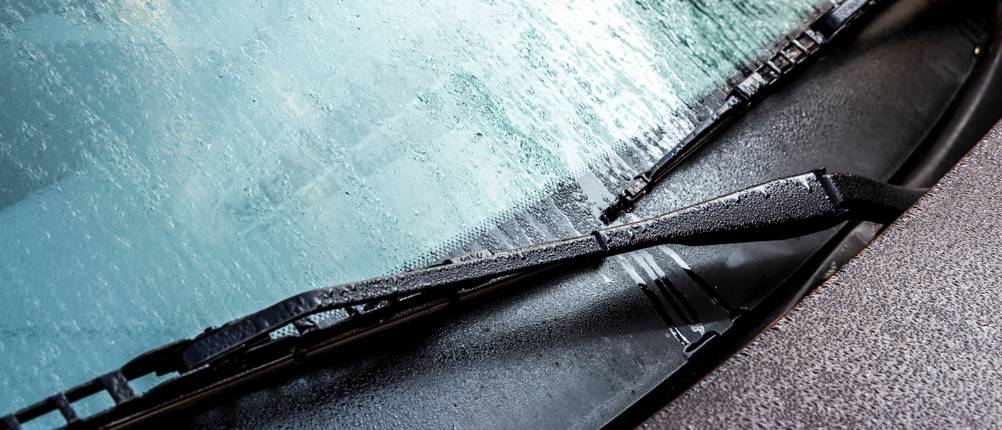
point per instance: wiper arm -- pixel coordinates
(778, 209)
(751, 89)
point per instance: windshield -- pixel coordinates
(166, 166)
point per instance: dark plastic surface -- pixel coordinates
(577, 347)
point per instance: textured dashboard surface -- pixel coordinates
(907, 334)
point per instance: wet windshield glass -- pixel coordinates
(166, 166)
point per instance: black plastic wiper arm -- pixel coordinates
(740, 97)
(778, 209)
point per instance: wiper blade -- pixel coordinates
(778, 209)
(742, 96)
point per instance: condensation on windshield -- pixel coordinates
(170, 165)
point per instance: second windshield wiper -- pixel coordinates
(740, 97)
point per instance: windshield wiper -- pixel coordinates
(740, 97)
(778, 209)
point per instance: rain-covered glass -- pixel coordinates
(167, 165)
